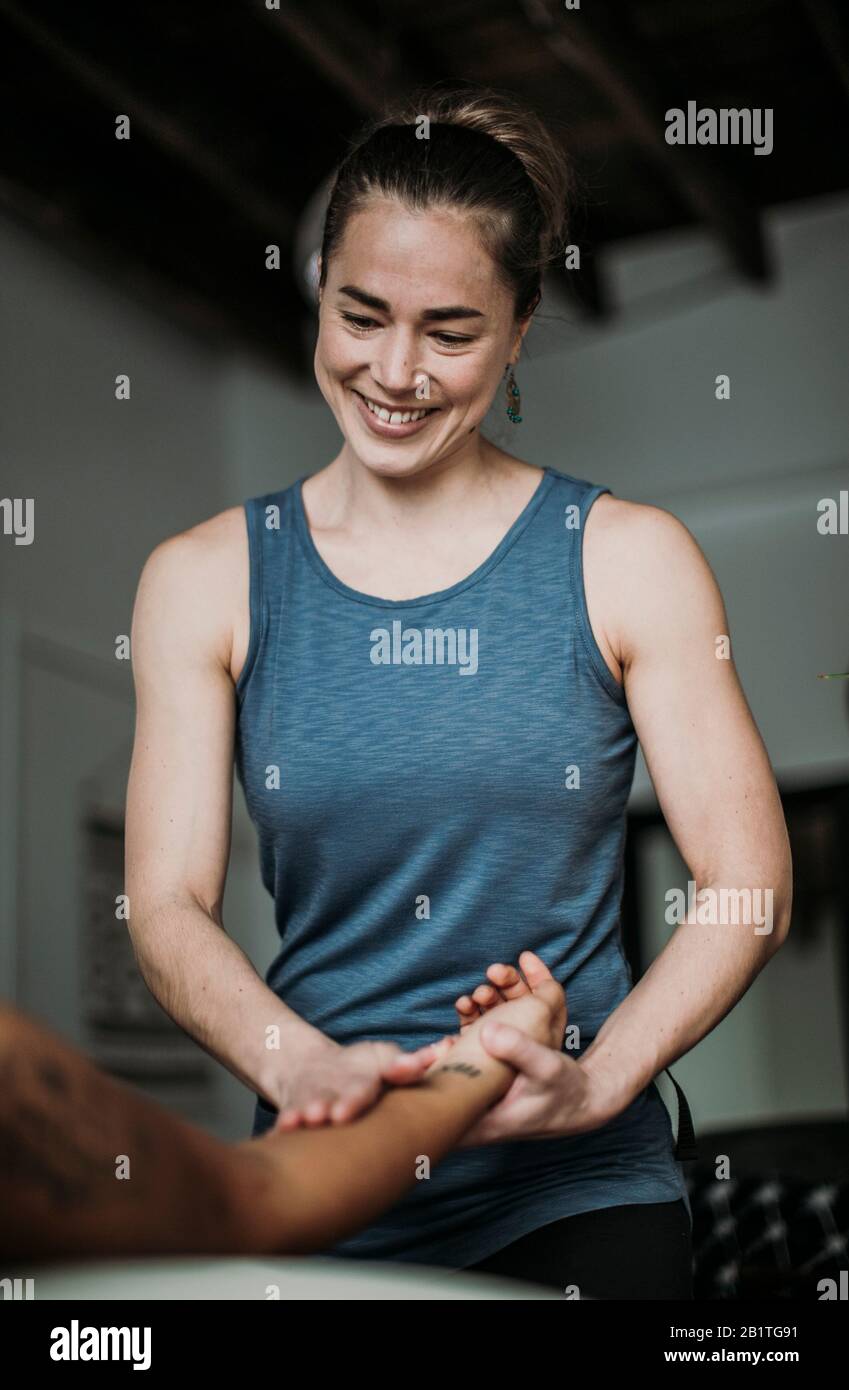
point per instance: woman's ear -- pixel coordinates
(524, 325)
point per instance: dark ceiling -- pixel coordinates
(239, 111)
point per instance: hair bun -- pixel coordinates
(521, 131)
(518, 189)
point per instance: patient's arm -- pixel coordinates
(90, 1167)
(325, 1184)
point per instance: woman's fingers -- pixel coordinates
(339, 1095)
(347, 1107)
(316, 1112)
(408, 1066)
(287, 1119)
(294, 1116)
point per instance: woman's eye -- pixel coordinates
(361, 324)
(357, 321)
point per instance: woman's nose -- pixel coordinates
(395, 367)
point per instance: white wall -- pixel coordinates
(633, 405)
(109, 480)
(630, 404)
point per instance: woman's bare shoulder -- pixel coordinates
(637, 539)
(196, 582)
(633, 552)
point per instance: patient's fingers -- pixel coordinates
(467, 1009)
(535, 970)
(487, 997)
(471, 1007)
(505, 983)
(508, 980)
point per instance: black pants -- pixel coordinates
(629, 1252)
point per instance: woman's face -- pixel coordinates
(414, 320)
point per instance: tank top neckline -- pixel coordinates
(484, 568)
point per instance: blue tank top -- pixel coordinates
(438, 783)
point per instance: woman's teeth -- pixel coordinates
(394, 417)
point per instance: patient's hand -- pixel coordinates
(552, 1094)
(334, 1084)
(508, 987)
(535, 1004)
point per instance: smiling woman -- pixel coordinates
(438, 228)
(417, 830)
(373, 370)
(410, 222)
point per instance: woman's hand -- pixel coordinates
(553, 1094)
(334, 1084)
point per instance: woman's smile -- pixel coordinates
(391, 422)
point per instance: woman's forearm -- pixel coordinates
(695, 981)
(207, 984)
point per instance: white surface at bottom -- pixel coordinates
(271, 1279)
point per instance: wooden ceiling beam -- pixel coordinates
(196, 305)
(831, 28)
(273, 219)
(191, 307)
(367, 68)
(620, 67)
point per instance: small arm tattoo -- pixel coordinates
(465, 1067)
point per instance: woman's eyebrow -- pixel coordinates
(451, 311)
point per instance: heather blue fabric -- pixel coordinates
(410, 781)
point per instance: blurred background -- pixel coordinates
(181, 257)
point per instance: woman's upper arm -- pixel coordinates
(179, 795)
(703, 750)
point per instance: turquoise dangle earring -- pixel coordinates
(514, 399)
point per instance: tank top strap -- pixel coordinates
(271, 536)
(271, 531)
(560, 559)
(568, 502)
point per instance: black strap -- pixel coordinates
(686, 1149)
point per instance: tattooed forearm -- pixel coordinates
(29, 1162)
(90, 1167)
(54, 1077)
(49, 1139)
